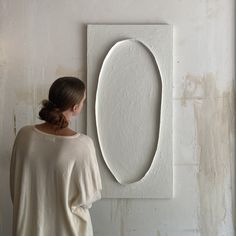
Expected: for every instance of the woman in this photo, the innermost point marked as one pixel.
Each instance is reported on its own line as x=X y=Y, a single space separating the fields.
x=54 y=174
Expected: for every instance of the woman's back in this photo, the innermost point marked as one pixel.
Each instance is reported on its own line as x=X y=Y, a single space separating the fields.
x=54 y=180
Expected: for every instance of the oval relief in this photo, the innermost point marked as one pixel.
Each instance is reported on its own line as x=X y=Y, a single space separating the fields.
x=128 y=109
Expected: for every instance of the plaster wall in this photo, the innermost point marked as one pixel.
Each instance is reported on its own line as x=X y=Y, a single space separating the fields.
x=42 y=40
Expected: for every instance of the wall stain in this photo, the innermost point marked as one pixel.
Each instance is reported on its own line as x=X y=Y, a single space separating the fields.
x=120 y=209
x=14 y=119
x=114 y=210
x=158 y=233
x=213 y=9
x=214 y=122
x=192 y=89
x=124 y=206
x=65 y=71
x=25 y=95
x=122 y=224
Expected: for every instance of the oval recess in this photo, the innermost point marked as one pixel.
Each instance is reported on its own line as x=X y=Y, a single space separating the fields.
x=128 y=109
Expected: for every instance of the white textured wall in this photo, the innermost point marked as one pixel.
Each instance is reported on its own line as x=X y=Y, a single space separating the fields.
x=41 y=40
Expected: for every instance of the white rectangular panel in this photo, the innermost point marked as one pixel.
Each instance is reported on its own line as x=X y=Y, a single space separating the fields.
x=158 y=39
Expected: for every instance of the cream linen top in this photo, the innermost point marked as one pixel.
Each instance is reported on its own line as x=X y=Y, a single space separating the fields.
x=53 y=181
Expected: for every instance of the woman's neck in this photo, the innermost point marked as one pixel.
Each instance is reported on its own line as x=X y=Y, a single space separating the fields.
x=49 y=128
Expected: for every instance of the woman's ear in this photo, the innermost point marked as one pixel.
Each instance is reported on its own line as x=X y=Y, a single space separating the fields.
x=75 y=108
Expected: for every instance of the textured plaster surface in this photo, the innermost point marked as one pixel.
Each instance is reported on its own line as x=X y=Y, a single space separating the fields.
x=128 y=110
x=133 y=108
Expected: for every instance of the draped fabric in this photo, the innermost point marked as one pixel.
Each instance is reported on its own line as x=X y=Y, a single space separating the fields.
x=54 y=180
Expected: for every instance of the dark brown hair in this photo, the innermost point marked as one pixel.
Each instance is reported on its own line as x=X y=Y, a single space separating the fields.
x=64 y=93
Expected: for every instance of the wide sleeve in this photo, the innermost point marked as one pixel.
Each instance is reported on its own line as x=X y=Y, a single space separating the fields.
x=86 y=184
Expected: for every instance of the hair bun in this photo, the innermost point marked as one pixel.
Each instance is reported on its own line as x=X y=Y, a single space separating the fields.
x=48 y=104
x=53 y=115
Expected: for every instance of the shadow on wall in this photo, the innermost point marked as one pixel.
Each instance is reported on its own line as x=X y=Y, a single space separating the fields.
x=5 y=198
